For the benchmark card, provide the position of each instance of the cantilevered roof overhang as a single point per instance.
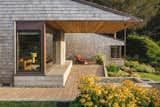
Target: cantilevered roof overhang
(98, 19)
(90, 26)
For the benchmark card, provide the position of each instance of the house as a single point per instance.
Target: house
(32, 37)
(91, 44)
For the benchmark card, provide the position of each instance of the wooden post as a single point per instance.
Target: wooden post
(44, 48)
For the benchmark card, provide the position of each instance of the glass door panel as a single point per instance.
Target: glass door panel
(29, 51)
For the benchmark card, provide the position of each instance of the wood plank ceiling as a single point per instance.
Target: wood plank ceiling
(90, 26)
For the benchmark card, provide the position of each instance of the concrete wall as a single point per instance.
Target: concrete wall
(57, 79)
(89, 45)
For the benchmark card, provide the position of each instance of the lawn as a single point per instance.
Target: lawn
(150, 76)
(32, 104)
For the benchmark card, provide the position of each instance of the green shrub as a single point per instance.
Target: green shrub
(113, 68)
(99, 58)
(118, 74)
(74, 104)
(144, 50)
(131, 64)
(136, 66)
(145, 68)
(135, 74)
(127, 69)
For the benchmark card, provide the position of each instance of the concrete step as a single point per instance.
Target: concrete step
(50, 80)
(38, 81)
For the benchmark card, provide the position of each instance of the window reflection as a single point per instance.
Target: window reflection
(28, 51)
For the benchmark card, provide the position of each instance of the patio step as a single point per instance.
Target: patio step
(39, 81)
(55, 79)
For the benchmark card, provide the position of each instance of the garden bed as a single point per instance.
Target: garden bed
(155, 85)
(119, 79)
(140, 74)
(126, 94)
(133, 69)
(149, 76)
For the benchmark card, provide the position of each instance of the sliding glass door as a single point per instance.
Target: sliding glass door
(28, 51)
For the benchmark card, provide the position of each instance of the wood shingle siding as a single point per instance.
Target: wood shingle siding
(89, 45)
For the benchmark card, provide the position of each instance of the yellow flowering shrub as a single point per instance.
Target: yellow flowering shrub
(93, 94)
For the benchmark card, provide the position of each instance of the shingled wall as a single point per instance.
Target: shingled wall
(90, 44)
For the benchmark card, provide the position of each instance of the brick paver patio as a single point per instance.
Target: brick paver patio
(51, 94)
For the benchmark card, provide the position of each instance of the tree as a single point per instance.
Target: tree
(144, 49)
(152, 29)
(144, 9)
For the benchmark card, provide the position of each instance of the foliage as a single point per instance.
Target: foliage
(99, 58)
(131, 71)
(131, 64)
(127, 69)
(113, 68)
(93, 94)
(149, 76)
(136, 66)
(115, 71)
(145, 68)
(152, 28)
(74, 104)
(144, 9)
(144, 50)
(135, 74)
(117, 74)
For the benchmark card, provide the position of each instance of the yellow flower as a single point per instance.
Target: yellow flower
(123, 105)
(116, 105)
(102, 101)
(82, 100)
(129, 93)
(98, 92)
(110, 97)
(132, 104)
(89, 104)
(85, 95)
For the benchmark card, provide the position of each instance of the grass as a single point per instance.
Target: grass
(149, 76)
(28, 104)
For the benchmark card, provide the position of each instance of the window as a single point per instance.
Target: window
(28, 51)
(116, 51)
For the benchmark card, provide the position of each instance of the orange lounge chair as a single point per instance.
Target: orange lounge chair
(80, 59)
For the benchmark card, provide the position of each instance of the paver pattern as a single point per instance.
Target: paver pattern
(68, 93)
